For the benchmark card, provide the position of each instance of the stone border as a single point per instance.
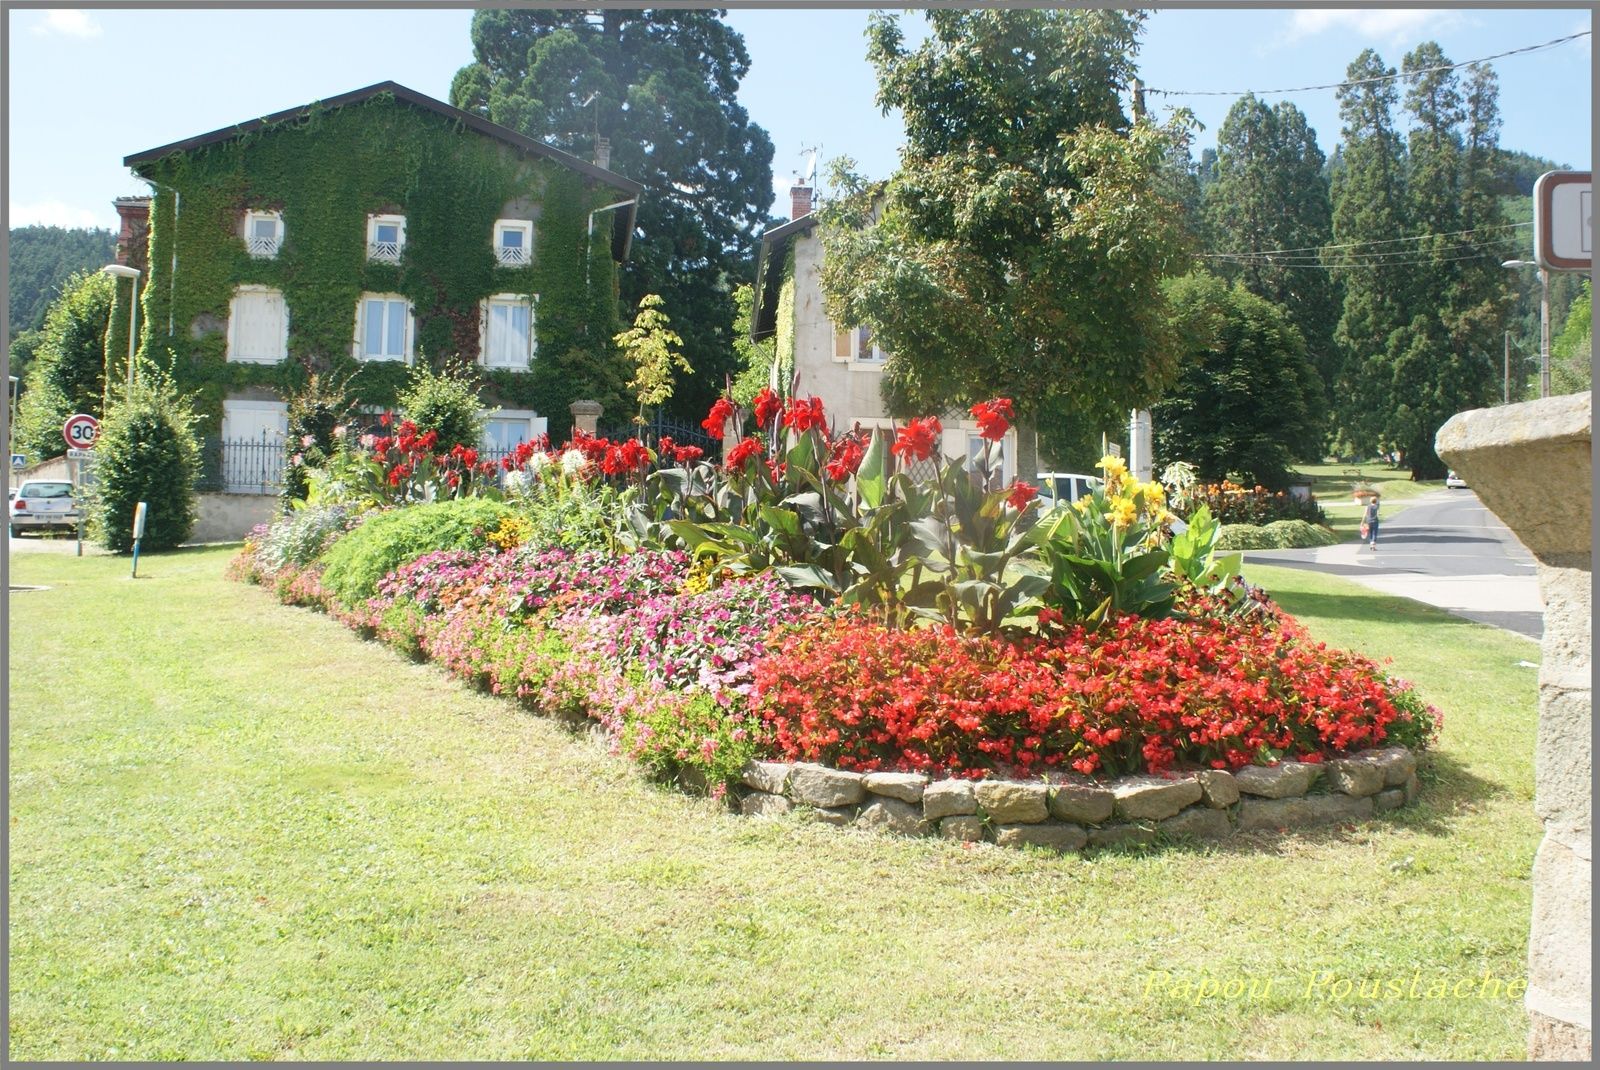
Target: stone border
(1207, 805)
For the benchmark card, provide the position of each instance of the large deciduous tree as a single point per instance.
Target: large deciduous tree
(67, 372)
(1269, 202)
(662, 86)
(1018, 248)
(1245, 401)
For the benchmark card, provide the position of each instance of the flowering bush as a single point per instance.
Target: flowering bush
(1139, 695)
(1232, 504)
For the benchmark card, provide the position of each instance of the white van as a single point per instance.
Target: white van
(1064, 488)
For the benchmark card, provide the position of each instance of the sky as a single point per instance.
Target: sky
(809, 85)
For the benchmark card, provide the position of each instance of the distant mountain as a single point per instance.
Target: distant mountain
(41, 259)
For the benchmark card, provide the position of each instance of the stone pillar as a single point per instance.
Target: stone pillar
(1530, 464)
(1141, 462)
(586, 416)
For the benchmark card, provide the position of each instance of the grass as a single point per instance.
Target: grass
(1334, 486)
(237, 831)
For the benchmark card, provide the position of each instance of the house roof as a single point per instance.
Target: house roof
(622, 228)
(769, 280)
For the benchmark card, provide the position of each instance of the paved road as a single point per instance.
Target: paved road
(1444, 549)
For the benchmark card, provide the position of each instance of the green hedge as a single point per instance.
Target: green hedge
(355, 563)
(1278, 535)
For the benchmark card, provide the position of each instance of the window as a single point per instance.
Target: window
(263, 233)
(386, 237)
(857, 346)
(513, 241)
(503, 429)
(507, 340)
(383, 327)
(258, 326)
(1000, 457)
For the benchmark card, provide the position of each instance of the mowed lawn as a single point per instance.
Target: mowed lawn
(238, 831)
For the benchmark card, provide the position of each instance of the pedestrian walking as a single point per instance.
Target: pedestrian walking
(1369, 522)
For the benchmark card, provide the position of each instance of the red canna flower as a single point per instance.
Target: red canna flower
(427, 441)
(917, 439)
(994, 418)
(714, 423)
(687, 454)
(804, 415)
(768, 405)
(845, 458)
(385, 418)
(745, 450)
(1021, 494)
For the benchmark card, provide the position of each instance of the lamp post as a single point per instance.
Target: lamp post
(1544, 322)
(123, 271)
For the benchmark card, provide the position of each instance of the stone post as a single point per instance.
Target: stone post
(586, 416)
(1530, 464)
(1141, 459)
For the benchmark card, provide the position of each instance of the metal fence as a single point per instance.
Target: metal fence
(242, 466)
(681, 433)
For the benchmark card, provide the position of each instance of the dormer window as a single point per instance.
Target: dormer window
(513, 242)
(386, 238)
(263, 233)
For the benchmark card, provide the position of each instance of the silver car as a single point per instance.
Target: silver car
(43, 503)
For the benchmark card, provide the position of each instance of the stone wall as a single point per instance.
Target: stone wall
(1079, 813)
(1530, 465)
(229, 517)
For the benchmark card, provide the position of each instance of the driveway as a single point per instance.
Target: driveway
(1444, 549)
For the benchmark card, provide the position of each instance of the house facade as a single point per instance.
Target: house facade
(356, 237)
(841, 364)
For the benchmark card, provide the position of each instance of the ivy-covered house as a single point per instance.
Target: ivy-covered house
(359, 235)
(842, 365)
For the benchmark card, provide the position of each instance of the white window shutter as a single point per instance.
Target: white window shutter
(841, 346)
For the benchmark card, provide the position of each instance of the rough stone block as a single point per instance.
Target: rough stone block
(1121, 832)
(895, 815)
(831, 815)
(1056, 837)
(1276, 781)
(964, 827)
(905, 786)
(760, 804)
(770, 777)
(1013, 802)
(1308, 810)
(1397, 763)
(1354, 776)
(1412, 788)
(1559, 946)
(1562, 757)
(1197, 823)
(1217, 788)
(817, 785)
(1389, 799)
(949, 798)
(1152, 797)
(1085, 803)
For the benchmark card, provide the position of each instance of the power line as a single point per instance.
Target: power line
(1316, 251)
(1364, 81)
(1352, 265)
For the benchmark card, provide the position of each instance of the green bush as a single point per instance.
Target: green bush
(66, 374)
(147, 453)
(446, 402)
(356, 562)
(1278, 535)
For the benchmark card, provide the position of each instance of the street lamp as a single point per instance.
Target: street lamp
(123, 271)
(1544, 322)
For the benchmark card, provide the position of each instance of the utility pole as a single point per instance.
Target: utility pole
(1506, 391)
(1544, 333)
(1141, 424)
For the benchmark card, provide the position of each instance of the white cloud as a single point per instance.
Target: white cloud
(1393, 26)
(57, 214)
(64, 23)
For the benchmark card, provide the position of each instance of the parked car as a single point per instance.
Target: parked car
(1454, 482)
(43, 503)
(1064, 488)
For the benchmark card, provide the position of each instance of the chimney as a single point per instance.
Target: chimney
(799, 201)
(133, 237)
(602, 152)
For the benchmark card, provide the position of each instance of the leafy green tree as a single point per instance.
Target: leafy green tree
(755, 358)
(41, 260)
(1572, 351)
(147, 453)
(1270, 194)
(662, 86)
(444, 401)
(67, 372)
(655, 350)
(1368, 206)
(315, 410)
(1245, 402)
(1017, 250)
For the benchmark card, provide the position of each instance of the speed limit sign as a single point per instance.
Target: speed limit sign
(81, 431)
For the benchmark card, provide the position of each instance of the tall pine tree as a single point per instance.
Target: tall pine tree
(662, 86)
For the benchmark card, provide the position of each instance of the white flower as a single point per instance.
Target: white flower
(538, 461)
(516, 482)
(572, 462)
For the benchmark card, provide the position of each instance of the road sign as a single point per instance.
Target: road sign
(19, 460)
(81, 431)
(80, 455)
(1563, 221)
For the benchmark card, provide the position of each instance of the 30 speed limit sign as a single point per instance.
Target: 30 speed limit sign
(81, 431)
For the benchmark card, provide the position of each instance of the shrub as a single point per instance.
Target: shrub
(1278, 535)
(303, 535)
(1233, 504)
(147, 453)
(356, 563)
(317, 415)
(445, 402)
(1140, 694)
